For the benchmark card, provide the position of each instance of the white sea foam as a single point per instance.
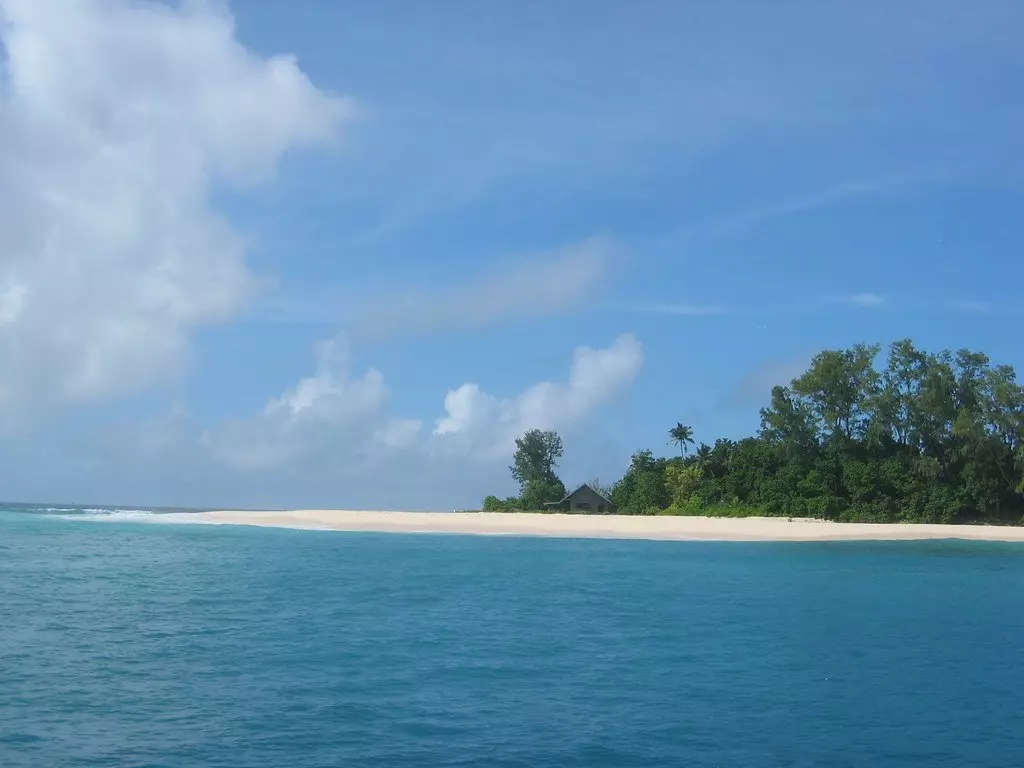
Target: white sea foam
(106, 513)
(116, 511)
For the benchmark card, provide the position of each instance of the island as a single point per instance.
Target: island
(925, 446)
(924, 438)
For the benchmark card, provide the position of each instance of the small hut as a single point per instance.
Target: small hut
(583, 501)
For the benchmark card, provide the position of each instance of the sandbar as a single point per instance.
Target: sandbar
(606, 526)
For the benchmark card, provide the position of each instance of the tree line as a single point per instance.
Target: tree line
(922, 437)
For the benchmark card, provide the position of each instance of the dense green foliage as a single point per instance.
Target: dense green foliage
(926, 438)
(533, 465)
(494, 504)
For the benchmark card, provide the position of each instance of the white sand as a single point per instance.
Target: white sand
(604, 526)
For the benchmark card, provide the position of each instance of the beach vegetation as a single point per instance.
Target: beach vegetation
(915, 437)
(533, 465)
(511, 504)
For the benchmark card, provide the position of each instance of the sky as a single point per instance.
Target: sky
(267, 254)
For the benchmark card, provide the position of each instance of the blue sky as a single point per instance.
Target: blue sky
(343, 279)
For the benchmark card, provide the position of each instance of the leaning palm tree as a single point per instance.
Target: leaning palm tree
(681, 435)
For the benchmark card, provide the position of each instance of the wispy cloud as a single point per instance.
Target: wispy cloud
(745, 219)
(974, 307)
(533, 285)
(549, 283)
(757, 383)
(865, 300)
(692, 310)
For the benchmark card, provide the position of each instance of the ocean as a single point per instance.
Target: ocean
(127, 642)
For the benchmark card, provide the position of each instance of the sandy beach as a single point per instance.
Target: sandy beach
(605, 526)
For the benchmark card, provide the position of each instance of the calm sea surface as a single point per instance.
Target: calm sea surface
(125, 642)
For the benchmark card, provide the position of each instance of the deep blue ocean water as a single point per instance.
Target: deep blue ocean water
(129, 643)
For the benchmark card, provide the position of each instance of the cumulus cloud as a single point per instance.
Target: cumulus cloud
(336, 416)
(488, 425)
(399, 433)
(118, 120)
(315, 414)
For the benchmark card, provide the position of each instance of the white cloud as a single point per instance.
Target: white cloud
(334, 417)
(693, 310)
(757, 383)
(548, 283)
(118, 119)
(399, 433)
(865, 300)
(976, 307)
(479, 422)
(321, 411)
(890, 186)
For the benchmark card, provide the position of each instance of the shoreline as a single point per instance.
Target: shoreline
(657, 528)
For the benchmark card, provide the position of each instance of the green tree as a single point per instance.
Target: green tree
(838, 386)
(539, 491)
(533, 465)
(703, 455)
(682, 436)
(682, 482)
(642, 489)
(789, 422)
(918, 437)
(896, 403)
(537, 455)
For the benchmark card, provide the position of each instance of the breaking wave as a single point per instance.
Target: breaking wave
(105, 513)
(113, 513)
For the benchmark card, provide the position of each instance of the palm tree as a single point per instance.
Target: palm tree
(681, 435)
(703, 454)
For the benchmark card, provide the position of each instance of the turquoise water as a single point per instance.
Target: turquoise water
(129, 643)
